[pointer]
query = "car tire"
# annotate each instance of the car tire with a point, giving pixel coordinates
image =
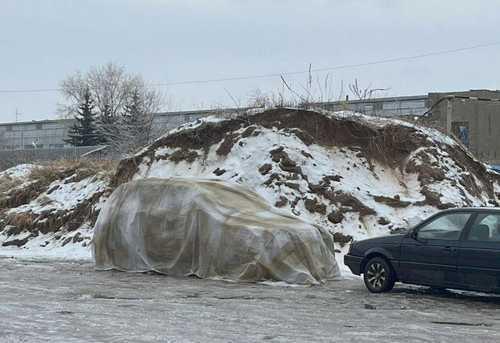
(379, 275)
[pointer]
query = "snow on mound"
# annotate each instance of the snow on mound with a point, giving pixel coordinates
(18, 172)
(49, 211)
(355, 175)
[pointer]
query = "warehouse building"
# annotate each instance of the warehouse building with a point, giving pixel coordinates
(472, 116)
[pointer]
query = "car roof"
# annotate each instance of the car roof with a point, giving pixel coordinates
(472, 209)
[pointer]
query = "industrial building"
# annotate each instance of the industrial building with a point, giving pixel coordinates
(50, 134)
(472, 116)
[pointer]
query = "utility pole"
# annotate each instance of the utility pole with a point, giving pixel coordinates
(17, 115)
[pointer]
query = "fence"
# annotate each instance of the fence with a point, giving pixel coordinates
(10, 158)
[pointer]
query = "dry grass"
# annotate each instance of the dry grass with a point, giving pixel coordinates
(60, 169)
(21, 220)
(7, 183)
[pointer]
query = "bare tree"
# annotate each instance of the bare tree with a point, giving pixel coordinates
(112, 91)
(364, 93)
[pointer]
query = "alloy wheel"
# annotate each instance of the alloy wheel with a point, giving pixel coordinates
(376, 275)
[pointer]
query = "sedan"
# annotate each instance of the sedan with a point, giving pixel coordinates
(458, 248)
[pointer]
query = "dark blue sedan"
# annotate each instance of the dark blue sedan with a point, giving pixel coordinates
(458, 248)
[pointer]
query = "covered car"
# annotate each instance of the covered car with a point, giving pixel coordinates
(210, 229)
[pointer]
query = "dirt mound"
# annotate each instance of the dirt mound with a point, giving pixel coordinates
(57, 204)
(359, 176)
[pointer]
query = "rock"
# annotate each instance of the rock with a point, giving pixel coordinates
(282, 202)
(336, 217)
(383, 221)
(265, 168)
(313, 206)
(219, 172)
(306, 154)
(16, 242)
(77, 237)
(340, 238)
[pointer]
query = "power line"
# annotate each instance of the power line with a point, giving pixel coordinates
(273, 75)
(345, 66)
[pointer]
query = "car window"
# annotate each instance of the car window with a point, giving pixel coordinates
(486, 228)
(447, 227)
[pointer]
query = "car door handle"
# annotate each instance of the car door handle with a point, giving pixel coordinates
(450, 250)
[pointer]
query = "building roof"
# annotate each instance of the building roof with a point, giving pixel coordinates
(45, 121)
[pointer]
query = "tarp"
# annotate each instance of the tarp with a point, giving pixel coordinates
(211, 229)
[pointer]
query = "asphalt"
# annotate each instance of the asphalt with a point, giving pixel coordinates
(70, 302)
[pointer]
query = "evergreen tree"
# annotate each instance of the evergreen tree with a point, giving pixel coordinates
(84, 131)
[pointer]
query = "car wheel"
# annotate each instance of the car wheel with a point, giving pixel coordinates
(378, 275)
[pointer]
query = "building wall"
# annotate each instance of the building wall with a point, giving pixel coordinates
(481, 118)
(383, 107)
(49, 134)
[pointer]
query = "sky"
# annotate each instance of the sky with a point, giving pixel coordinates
(170, 41)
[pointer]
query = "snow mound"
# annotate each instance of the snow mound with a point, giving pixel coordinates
(18, 172)
(355, 175)
(49, 212)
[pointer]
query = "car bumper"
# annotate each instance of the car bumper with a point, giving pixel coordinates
(354, 263)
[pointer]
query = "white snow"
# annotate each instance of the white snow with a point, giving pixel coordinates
(61, 197)
(47, 247)
(242, 165)
(18, 172)
(66, 196)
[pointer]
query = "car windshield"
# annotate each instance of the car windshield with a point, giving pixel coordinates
(447, 227)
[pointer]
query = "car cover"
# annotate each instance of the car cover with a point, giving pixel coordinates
(211, 229)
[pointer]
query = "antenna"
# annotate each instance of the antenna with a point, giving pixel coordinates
(17, 115)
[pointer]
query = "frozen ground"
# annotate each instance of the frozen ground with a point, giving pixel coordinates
(70, 302)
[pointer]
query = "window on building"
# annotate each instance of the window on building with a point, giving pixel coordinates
(461, 130)
(392, 105)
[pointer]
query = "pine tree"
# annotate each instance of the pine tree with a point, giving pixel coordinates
(84, 131)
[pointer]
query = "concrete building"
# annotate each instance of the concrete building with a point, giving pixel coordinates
(50, 134)
(400, 106)
(473, 117)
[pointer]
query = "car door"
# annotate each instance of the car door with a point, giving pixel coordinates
(429, 254)
(479, 253)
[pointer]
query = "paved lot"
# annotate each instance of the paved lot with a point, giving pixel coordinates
(63, 302)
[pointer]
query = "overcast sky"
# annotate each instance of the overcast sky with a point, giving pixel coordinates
(43, 41)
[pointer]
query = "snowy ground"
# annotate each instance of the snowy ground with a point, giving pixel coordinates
(69, 302)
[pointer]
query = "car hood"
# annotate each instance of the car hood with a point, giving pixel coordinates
(390, 239)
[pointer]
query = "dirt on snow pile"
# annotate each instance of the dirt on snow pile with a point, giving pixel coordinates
(358, 176)
(355, 175)
(51, 210)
